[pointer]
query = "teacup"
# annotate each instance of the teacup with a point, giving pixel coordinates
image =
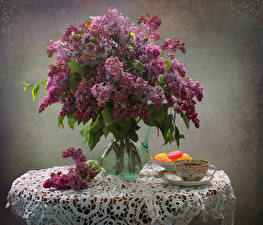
(194, 170)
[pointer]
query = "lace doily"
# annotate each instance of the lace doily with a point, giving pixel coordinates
(148, 199)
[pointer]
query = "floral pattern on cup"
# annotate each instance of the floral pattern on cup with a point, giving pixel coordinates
(194, 170)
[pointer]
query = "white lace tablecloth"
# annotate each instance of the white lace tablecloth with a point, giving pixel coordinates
(148, 199)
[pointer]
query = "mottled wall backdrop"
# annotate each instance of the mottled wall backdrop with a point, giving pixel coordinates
(225, 51)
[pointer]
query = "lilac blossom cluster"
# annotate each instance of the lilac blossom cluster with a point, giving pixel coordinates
(77, 177)
(121, 68)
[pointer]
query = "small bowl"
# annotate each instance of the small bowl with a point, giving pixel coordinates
(168, 166)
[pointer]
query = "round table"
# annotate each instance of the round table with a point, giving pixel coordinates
(148, 199)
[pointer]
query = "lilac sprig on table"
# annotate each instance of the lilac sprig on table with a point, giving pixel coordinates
(77, 177)
(109, 74)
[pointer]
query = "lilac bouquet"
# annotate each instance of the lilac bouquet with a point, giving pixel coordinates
(109, 74)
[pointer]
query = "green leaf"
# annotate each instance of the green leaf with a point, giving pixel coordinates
(44, 82)
(60, 122)
(167, 128)
(85, 130)
(71, 121)
(26, 84)
(105, 132)
(161, 114)
(114, 130)
(76, 73)
(95, 123)
(76, 68)
(137, 119)
(95, 132)
(133, 135)
(177, 136)
(94, 138)
(107, 117)
(35, 91)
(76, 35)
(72, 82)
(25, 88)
(186, 121)
(124, 124)
(157, 117)
(138, 66)
(169, 137)
(95, 38)
(79, 34)
(168, 65)
(130, 47)
(151, 122)
(124, 127)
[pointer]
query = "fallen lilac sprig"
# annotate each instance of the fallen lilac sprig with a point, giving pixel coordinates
(77, 178)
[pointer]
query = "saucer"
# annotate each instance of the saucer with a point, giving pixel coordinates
(174, 179)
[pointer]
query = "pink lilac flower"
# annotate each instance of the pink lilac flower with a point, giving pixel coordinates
(52, 48)
(57, 83)
(173, 45)
(71, 180)
(77, 177)
(114, 69)
(155, 36)
(153, 52)
(168, 44)
(68, 104)
(152, 23)
(184, 91)
(156, 95)
(179, 66)
(88, 55)
(155, 68)
(102, 93)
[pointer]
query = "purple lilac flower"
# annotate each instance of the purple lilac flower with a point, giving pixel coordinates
(68, 104)
(88, 55)
(52, 48)
(57, 83)
(179, 67)
(76, 178)
(114, 69)
(86, 104)
(170, 45)
(102, 93)
(71, 180)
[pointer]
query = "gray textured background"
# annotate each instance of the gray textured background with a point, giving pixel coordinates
(225, 51)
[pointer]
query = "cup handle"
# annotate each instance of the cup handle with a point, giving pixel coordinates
(211, 167)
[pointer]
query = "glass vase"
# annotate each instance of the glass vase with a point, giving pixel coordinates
(123, 157)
